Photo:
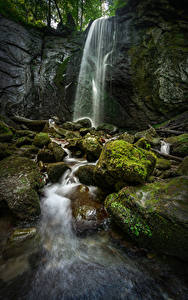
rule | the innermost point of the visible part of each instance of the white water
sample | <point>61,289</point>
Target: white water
<point>97,55</point>
<point>165,147</point>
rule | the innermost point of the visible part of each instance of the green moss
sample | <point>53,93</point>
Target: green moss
<point>41,140</point>
<point>143,143</point>
<point>5,132</point>
<point>61,69</point>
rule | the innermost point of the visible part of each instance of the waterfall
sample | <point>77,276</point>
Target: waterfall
<point>165,147</point>
<point>97,56</point>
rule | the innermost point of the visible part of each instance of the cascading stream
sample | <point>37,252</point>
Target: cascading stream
<point>97,56</point>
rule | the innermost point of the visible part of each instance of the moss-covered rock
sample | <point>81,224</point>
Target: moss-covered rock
<point>20,240</point>
<point>107,127</point>
<point>85,122</point>
<point>91,146</point>
<point>58,151</point>
<point>24,141</point>
<point>86,174</point>
<point>121,163</point>
<point>71,126</point>
<point>179,144</point>
<point>155,215</point>
<point>148,134</point>
<point>5,132</point>
<point>183,167</point>
<point>20,180</point>
<point>46,156</point>
<point>143,143</point>
<point>163,164</point>
<point>41,139</point>
<point>56,170</point>
<point>29,133</point>
<point>129,138</point>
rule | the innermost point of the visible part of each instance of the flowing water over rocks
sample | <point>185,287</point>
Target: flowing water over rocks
<point>67,266</point>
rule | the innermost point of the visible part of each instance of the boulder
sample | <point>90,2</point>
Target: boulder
<point>41,139</point>
<point>149,135</point>
<point>143,143</point>
<point>5,133</point>
<point>4,151</point>
<point>183,167</point>
<point>154,215</point>
<point>85,122</point>
<point>46,156</point>
<point>89,215</point>
<point>91,146</point>
<point>56,170</point>
<point>20,179</point>
<point>25,140</point>
<point>71,126</point>
<point>179,145</point>
<point>121,163</point>
<point>58,151</point>
<point>163,164</point>
<point>86,174</point>
<point>21,240</point>
<point>29,133</point>
<point>129,138</point>
<point>108,127</point>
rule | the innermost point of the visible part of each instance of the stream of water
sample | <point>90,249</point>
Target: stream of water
<point>71,267</point>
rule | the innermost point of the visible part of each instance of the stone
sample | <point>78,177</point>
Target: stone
<point>121,163</point>
<point>20,180</point>
<point>85,122</point>
<point>143,143</point>
<point>46,156</point>
<point>71,126</point>
<point>58,151</point>
<point>148,134</point>
<point>6,134</point>
<point>178,145</point>
<point>56,170</point>
<point>91,146</point>
<point>24,141</point>
<point>41,139</point>
<point>154,215</point>
<point>20,240</point>
<point>4,151</point>
<point>163,164</point>
<point>183,167</point>
<point>110,128</point>
<point>86,174</point>
<point>129,138</point>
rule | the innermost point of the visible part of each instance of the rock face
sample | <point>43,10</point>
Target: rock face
<point>149,74</point>
<point>33,67</point>
<point>39,71</point>
<point>121,162</point>
<point>19,181</point>
<point>155,215</point>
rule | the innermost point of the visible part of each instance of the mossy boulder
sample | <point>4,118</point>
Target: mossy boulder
<point>86,174</point>
<point>5,132</point>
<point>143,143</point>
<point>41,139</point>
<point>149,135</point>
<point>155,215</point>
<point>46,156</point>
<point>21,240</point>
<point>29,133</point>
<point>179,144</point>
<point>92,147</point>
<point>129,138</point>
<point>85,122</point>
<point>107,127</point>
<point>121,163</point>
<point>56,170</point>
<point>20,179</point>
<point>163,164</point>
<point>183,167</point>
<point>58,151</point>
<point>24,141</point>
<point>71,126</point>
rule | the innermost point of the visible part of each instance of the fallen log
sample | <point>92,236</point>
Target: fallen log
<point>36,125</point>
<point>168,156</point>
<point>170,131</point>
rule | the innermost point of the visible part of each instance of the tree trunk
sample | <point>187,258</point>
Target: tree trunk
<point>49,13</point>
<point>61,20</point>
<point>82,13</point>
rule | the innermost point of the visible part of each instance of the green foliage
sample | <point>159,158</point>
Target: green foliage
<point>114,5</point>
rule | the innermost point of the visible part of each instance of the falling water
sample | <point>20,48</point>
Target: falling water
<point>97,56</point>
<point>165,147</point>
